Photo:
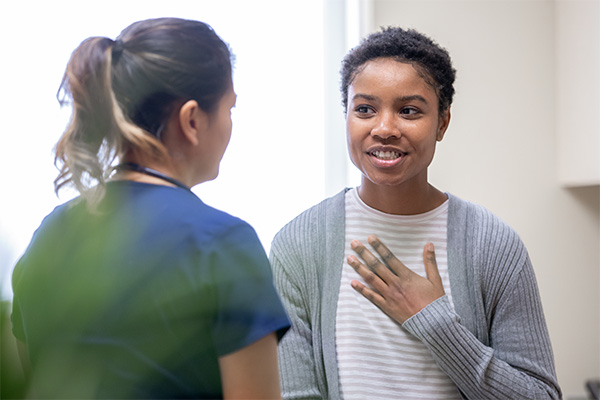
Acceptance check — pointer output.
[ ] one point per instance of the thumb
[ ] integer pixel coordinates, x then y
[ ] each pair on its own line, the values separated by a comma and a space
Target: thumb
431, 268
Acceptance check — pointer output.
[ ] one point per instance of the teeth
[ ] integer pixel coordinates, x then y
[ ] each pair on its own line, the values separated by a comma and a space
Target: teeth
386, 155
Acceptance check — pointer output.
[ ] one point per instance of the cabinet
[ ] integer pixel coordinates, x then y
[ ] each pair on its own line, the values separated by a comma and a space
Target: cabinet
577, 112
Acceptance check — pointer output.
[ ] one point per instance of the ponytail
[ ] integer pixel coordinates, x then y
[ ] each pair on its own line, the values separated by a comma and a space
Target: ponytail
122, 93
98, 132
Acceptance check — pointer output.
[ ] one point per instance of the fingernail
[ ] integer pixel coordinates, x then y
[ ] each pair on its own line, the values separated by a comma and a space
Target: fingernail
430, 247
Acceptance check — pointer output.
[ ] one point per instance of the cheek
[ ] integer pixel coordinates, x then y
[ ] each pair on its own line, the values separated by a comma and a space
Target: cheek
355, 133
355, 152
353, 143
227, 127
428, 150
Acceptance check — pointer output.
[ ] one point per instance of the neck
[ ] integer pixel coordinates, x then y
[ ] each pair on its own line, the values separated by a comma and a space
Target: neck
401, 200
164, 169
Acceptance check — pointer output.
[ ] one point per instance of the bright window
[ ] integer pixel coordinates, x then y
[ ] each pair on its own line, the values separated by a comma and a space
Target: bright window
275, 166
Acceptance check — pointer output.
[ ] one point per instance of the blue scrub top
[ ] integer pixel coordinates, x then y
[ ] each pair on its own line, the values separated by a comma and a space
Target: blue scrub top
140, 298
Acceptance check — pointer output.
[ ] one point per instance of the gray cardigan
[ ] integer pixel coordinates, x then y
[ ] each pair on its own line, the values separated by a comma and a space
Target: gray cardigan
494, 346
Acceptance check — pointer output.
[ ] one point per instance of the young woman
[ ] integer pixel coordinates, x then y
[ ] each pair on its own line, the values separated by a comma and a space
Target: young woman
449, 306
137, 289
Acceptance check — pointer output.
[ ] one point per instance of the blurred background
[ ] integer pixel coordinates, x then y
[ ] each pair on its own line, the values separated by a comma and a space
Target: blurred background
524, 139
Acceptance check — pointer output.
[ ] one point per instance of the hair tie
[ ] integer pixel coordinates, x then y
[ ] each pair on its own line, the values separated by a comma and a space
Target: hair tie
117, 50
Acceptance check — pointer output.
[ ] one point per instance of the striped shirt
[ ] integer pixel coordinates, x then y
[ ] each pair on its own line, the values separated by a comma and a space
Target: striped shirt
377, 358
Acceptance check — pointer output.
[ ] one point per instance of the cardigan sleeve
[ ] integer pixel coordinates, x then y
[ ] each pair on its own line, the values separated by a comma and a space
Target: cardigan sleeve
297, 367
518, 362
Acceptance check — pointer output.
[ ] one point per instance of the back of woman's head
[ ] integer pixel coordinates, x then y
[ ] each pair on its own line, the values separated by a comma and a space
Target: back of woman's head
409, 46
123, 92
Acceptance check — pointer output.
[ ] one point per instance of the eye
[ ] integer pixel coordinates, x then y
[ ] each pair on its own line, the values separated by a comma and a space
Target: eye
364, 110
410, 111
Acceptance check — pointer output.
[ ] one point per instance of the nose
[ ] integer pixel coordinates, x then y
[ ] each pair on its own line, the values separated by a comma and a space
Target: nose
386, 127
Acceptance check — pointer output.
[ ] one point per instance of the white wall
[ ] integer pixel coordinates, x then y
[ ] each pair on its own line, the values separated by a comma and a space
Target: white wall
500, 151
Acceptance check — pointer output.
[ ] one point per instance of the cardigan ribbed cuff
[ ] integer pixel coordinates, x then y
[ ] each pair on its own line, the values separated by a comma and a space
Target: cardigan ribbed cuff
437, 315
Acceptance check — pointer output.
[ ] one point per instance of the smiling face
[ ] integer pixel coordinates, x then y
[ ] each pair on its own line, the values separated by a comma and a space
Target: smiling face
393, 124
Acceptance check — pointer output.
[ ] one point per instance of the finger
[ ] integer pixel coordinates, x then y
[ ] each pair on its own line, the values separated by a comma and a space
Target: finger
370, 260
369, 294
431, 268
374, 280
395, 265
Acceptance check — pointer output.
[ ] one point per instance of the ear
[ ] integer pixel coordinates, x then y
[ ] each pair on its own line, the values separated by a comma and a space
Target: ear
443, 124
193, 121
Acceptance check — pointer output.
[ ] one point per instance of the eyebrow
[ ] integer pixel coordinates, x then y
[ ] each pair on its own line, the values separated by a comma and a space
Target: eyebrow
364, 96
413, 97
401, 99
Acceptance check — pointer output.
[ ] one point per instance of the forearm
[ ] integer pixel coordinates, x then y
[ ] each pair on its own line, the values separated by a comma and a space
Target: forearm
474, 367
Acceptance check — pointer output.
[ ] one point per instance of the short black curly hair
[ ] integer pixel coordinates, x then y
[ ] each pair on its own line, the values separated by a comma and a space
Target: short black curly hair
404, 45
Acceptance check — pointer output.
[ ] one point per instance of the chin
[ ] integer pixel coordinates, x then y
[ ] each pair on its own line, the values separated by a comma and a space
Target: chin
385, 182
212, 176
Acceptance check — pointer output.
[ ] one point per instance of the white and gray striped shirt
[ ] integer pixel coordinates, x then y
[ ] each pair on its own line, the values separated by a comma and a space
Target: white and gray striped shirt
377, 358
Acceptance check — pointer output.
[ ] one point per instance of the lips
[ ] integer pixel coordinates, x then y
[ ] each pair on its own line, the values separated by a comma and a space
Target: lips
386, 157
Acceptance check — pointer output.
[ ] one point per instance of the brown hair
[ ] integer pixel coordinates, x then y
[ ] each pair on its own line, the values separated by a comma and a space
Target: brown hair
123, 91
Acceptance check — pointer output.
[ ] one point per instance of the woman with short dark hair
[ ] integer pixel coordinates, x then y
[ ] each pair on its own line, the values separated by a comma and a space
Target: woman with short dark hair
463, 320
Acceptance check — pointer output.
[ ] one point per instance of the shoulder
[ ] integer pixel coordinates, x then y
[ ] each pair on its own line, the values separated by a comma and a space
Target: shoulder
473, 219
313, 222
208, 240
174, 219
174, 209
223, 230
304, 246
55, 222
489, 243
